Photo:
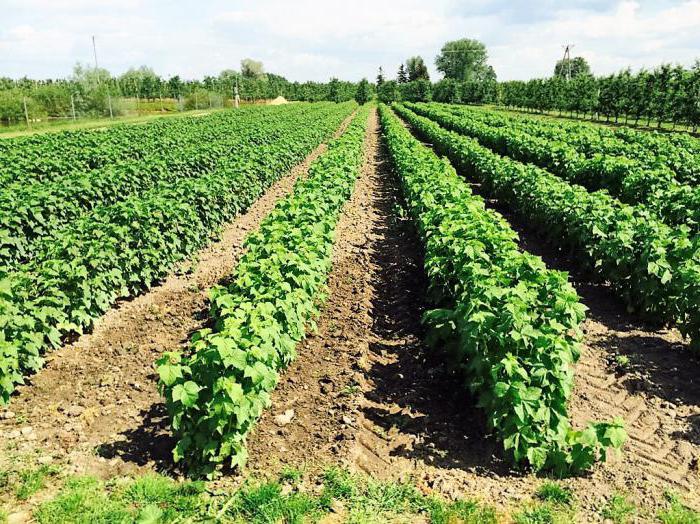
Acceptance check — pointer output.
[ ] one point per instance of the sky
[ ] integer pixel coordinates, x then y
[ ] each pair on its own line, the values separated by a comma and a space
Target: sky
314, 40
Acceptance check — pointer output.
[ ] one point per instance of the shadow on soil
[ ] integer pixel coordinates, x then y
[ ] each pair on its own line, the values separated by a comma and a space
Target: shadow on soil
658, 366
150, 442
433, 405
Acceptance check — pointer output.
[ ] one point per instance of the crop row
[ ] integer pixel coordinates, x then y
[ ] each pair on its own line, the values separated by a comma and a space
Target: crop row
217, 391
654, 269
30, 212
508, 323
676, 153
50, 156
119, 250
649, 150
674, 203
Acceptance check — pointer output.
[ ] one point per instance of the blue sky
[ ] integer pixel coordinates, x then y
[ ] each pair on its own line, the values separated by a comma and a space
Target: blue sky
313, 40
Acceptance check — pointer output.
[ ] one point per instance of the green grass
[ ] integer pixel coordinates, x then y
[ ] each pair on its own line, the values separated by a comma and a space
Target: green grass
87, 123
289, 499
677, 512
553, 492
292, 497
23, 483
553, 505
147, 499
619, 509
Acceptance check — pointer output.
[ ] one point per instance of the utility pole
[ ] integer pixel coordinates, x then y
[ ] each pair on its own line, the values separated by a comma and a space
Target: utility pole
566, 62
109, 96
26, 113
72, 106
236, 97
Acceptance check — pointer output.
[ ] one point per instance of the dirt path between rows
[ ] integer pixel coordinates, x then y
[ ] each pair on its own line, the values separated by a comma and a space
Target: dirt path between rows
95, 407
321, 386
366, 393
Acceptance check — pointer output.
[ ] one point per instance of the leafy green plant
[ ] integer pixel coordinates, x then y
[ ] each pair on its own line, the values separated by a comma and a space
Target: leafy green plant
119, 250
627, 172
163, 153
653, 267
508, 323
216, 391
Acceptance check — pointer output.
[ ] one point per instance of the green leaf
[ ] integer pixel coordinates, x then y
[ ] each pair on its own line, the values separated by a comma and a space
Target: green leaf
616, 435
187, 393
169, 373
500, 389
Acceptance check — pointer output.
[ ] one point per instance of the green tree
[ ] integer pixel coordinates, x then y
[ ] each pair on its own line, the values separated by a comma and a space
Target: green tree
175, 86
380, 77
334, 90
464, 59
417, 69
448, 91
693, 96
252, 68
577, 65
416, 91
363, 94
401, 76
92, 86
389, 92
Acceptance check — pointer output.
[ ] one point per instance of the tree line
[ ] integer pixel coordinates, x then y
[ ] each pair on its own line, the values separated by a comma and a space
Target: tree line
467, 77
89, 91
667, 93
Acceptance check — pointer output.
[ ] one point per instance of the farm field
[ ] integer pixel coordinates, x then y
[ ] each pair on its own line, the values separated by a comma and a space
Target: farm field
343, 312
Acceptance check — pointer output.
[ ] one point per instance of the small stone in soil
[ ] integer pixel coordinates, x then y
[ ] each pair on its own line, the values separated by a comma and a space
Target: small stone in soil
74, 411
284, 418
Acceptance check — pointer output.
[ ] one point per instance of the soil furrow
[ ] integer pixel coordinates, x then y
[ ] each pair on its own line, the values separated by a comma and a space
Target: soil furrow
95, 405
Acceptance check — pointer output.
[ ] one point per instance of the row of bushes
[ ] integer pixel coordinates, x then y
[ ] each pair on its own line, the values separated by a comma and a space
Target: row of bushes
215, 392
504, 320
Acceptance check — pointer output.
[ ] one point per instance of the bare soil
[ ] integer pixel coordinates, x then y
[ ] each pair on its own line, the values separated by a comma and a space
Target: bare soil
364, 391
410, 418
95, 405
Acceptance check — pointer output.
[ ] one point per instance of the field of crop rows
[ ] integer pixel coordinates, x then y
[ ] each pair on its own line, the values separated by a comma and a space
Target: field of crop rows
466, 298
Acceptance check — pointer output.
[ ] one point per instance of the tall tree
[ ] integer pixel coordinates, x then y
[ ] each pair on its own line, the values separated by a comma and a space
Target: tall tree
464, 60
175, 86
363, 94
389, 92
251, 68
401, 76
578, 65
417, 69
380, 77
334, 90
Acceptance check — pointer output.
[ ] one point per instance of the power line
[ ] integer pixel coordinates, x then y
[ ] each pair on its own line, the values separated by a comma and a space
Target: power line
97, 74
566, 62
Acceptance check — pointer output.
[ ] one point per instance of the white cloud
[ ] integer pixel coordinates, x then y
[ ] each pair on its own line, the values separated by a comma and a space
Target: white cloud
313, 40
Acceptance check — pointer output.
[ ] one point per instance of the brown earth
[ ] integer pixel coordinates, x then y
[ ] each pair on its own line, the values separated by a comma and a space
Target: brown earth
411, 418
95, 405
364, 392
